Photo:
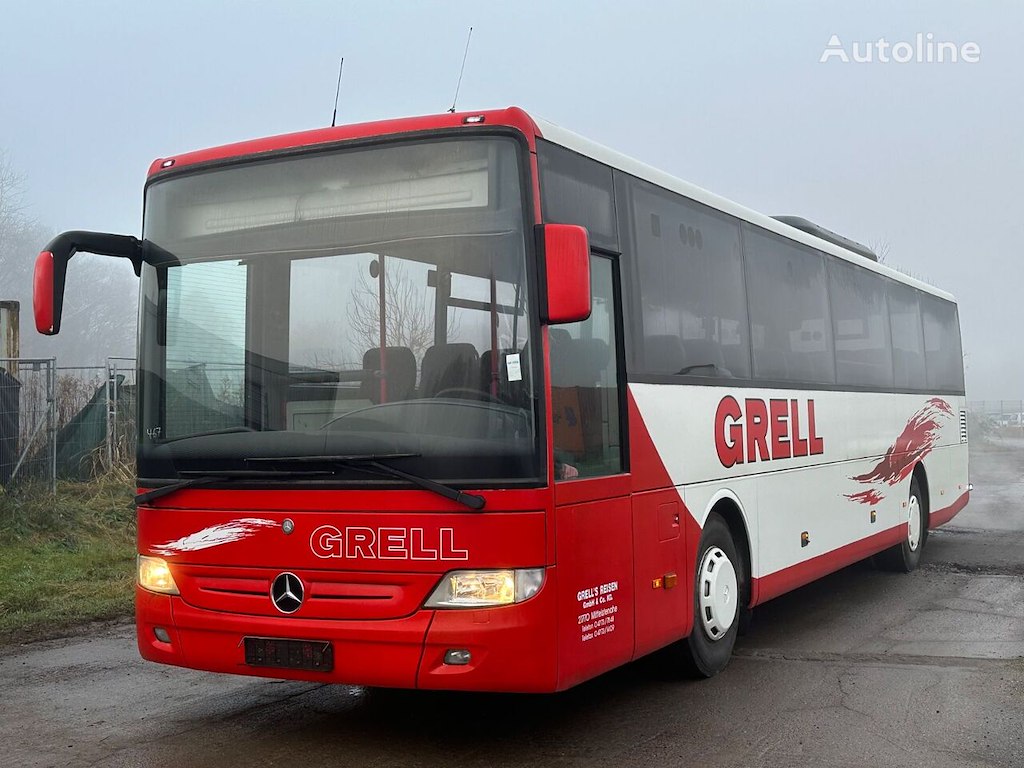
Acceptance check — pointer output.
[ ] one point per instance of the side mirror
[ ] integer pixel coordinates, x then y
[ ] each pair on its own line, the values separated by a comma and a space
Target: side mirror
565, 254
52, 267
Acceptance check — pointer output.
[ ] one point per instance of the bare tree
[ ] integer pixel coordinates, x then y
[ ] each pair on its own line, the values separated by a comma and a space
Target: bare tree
101, 300
881, 248
13, 219
409, 315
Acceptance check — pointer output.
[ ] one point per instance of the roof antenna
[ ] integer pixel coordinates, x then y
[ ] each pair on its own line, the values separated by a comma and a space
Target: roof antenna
464, 55
337, 93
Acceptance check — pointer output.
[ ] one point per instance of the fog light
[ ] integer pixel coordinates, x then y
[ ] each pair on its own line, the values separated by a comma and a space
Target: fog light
161, 634
457, 657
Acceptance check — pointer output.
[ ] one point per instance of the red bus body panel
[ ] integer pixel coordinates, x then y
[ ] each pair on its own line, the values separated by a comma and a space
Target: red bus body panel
613, 539
366, 600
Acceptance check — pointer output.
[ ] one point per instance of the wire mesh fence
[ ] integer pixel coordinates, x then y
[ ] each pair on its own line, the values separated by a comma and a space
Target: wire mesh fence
997, 418
27, 422
82, 420
64, 422
121, 373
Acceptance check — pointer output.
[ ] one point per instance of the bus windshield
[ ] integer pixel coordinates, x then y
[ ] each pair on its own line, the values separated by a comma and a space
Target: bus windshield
363, 301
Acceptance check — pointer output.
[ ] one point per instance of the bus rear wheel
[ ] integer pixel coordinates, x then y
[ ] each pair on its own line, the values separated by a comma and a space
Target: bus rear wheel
905, 556
719, 585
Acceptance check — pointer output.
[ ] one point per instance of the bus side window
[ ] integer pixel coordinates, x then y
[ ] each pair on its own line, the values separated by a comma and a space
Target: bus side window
585, 387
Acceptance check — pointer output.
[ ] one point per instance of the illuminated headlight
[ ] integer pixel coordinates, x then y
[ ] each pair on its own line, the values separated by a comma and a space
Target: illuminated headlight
480, 589
155, 575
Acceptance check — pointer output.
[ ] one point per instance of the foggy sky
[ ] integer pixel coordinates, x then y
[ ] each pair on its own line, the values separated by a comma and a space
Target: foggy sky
924, 157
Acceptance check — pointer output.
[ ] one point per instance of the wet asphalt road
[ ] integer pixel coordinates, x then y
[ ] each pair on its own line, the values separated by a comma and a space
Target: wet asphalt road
859, 669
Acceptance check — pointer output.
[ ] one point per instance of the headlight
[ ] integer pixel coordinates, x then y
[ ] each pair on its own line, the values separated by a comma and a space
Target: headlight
155, 575
477, 589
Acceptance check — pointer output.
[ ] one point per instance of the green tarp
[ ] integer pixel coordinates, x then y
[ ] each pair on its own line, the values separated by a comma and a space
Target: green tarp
81, 443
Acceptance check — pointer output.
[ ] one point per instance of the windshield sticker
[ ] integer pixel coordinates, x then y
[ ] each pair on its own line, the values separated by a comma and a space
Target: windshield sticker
214, 536
515, 369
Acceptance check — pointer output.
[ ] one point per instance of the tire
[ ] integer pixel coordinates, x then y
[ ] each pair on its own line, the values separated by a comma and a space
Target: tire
720, 582
905, 556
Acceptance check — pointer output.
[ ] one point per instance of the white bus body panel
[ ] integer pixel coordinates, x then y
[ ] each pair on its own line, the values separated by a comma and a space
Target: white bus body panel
866, 438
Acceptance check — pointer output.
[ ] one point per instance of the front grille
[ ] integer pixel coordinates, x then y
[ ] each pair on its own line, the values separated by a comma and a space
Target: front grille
327, 594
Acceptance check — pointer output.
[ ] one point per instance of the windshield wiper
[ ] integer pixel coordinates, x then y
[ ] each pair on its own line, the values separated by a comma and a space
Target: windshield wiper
193, 479
210, 433
371, 462
694, 367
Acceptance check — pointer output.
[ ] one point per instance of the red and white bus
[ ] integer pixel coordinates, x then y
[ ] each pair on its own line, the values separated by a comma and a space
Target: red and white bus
469, 402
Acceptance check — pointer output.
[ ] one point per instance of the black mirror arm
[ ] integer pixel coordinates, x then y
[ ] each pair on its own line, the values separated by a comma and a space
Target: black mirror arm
67, 244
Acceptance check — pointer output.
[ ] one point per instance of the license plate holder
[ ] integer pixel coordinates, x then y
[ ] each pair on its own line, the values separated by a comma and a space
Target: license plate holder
281, 653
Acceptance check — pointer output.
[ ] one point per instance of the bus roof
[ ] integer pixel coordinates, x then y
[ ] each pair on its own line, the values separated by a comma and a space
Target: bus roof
531, 127
513, 117
572, 141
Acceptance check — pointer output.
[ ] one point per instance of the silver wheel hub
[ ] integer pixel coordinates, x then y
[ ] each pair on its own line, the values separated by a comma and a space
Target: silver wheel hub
914, 524
718, 593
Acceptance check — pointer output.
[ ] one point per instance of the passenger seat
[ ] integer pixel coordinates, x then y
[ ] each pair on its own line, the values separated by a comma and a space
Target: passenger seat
449, 366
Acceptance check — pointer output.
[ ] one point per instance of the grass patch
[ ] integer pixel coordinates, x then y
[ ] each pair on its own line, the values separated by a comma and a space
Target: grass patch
66, 559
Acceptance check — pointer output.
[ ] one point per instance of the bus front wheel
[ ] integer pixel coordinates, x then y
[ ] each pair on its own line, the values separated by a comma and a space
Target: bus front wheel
717, 594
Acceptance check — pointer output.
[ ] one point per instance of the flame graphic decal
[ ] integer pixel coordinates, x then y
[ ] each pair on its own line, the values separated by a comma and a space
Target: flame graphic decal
214, 536
915, 442
870, 496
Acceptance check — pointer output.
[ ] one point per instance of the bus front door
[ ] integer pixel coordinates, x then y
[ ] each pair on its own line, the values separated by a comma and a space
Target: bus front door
593, 515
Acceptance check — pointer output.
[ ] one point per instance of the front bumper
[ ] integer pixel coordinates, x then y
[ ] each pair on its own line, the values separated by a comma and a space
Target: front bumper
512, 648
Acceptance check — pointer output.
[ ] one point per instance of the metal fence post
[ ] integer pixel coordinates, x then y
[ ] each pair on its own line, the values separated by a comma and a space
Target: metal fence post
110, 394
51, 417
123, 442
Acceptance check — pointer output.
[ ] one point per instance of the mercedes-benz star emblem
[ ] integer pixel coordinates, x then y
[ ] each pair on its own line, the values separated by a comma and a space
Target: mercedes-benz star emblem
286, 592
